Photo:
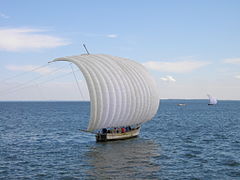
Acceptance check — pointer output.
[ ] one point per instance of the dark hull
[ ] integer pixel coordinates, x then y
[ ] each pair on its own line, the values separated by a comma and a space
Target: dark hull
104, 139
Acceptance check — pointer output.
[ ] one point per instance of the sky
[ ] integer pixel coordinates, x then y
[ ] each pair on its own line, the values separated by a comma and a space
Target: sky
190, 47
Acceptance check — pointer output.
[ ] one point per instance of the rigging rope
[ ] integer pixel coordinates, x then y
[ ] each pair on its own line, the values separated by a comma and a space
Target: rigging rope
81, 94
27, 86
23, 73
31, 80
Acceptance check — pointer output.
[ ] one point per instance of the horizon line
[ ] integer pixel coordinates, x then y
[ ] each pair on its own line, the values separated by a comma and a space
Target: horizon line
90, 101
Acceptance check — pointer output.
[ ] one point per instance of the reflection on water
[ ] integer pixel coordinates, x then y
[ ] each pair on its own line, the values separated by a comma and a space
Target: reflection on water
134, 158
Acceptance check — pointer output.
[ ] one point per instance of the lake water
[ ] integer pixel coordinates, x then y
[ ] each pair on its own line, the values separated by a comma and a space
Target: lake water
41, 140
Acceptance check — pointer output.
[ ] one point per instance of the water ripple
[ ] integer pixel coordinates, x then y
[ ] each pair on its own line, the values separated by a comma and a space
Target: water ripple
42, 141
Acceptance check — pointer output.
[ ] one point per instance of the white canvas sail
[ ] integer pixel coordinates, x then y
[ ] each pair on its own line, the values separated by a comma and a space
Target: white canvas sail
122, 92
212, 100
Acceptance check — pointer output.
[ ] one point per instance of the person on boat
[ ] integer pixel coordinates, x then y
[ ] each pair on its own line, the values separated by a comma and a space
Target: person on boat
119, 130
123, 130
104, 131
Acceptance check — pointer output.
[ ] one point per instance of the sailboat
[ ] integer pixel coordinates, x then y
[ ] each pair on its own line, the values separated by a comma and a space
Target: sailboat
123, 95
212, 100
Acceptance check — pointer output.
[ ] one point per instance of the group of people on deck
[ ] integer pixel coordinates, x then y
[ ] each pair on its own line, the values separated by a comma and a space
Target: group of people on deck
117, 130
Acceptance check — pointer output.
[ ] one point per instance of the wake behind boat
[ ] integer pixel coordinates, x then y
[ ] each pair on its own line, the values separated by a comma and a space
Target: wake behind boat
122, 92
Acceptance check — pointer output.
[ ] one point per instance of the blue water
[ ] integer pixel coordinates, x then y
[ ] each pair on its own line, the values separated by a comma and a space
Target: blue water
41, 140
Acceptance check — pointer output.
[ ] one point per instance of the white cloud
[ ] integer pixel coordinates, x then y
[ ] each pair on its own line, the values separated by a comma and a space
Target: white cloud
175, 67
168, 79
237, 76
34, 68
232, 61
112, 35
101, 35
22, 39
4, 16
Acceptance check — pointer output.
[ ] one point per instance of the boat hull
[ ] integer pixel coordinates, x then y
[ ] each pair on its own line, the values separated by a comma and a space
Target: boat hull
117, 136
181, 104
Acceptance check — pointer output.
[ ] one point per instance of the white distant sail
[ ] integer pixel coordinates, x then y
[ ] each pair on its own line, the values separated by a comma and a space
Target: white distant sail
212, 100
122, 92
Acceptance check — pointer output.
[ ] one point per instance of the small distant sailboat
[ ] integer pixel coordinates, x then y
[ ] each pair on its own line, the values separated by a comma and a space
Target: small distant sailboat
181, 104
212, 100
123, 95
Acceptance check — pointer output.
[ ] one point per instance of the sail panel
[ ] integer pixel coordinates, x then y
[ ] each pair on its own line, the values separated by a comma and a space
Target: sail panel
150, 85
121, 91
110, 105
212, 100
139, 92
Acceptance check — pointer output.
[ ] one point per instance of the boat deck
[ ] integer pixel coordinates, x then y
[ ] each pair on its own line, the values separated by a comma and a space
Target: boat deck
100, 137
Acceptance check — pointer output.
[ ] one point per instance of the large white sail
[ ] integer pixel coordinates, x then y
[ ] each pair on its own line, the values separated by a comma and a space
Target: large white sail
122, 92
212, 100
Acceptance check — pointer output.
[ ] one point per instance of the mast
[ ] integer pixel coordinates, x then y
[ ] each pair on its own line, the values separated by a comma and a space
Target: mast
86, 49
